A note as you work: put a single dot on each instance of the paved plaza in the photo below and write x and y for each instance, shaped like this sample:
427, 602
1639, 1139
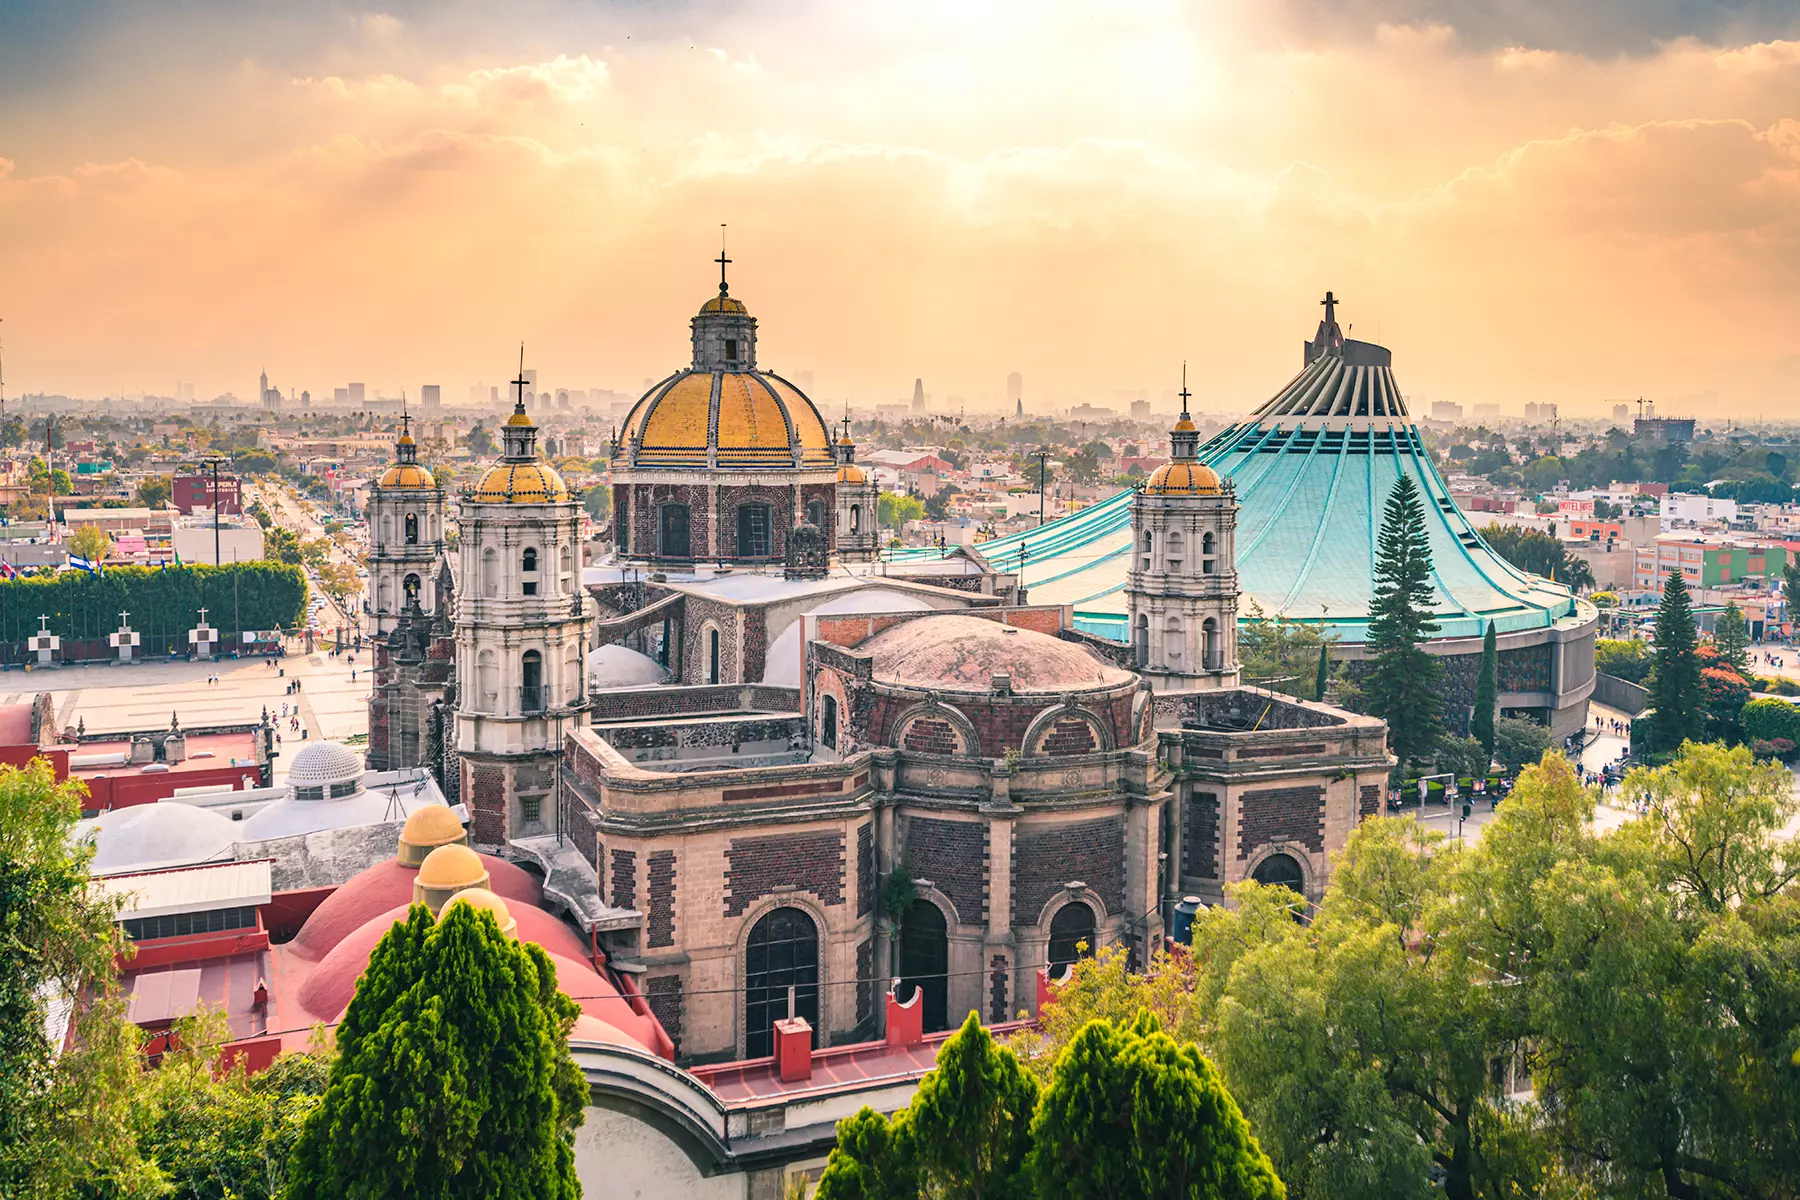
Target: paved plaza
130, 697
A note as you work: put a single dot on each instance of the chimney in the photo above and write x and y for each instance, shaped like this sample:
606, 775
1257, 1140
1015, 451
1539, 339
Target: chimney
793, 1049
175, 748
142, 750
905, 1021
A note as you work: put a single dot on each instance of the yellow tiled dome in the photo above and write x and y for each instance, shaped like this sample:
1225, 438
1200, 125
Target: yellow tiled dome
731, 419
518, 418
851, 473
1184, 479
724, 304
520, 483
433, 825
1185, 425
452, 866
407, 475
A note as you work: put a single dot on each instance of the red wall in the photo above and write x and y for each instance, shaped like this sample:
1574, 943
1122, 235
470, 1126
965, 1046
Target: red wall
19, 756
124, 791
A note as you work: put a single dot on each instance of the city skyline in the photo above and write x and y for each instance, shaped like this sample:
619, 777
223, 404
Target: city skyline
1575, 208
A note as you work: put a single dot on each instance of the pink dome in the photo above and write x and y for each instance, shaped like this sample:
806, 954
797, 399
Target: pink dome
383, 886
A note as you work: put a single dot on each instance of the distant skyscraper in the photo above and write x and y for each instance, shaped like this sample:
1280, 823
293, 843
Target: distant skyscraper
1446, 410
1019, 407
1621, 412
305, 399
340, 395
1015, 387
918, 401
430, 396
355, 392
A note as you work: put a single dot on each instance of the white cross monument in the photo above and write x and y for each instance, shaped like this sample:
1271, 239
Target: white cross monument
125, 640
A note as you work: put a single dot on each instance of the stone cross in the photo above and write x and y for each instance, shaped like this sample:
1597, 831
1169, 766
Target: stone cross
203, 618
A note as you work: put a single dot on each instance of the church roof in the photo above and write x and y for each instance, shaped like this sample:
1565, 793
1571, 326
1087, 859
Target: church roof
728, 419
520, 483
962, 653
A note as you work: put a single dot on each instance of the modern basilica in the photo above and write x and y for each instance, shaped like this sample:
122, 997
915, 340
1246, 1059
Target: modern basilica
769, 775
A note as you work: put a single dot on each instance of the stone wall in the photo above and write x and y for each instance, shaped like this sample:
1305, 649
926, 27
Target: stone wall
1200, 831
1293, 814
1046, 856
954, 856
758, 866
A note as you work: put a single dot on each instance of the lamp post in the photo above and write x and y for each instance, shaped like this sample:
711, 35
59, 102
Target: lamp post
213, 461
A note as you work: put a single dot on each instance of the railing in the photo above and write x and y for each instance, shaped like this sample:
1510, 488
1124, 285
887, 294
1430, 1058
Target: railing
534, 698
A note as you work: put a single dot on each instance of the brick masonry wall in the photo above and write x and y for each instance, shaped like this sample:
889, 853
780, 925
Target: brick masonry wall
997, 979
865, 868
781, 519
756, 642
1045, 857
1200, 827
1070, 735
826, 495
648, 497
865, 983
624, 873
757, 866
1368, 801
663, 994
1295, 814
954, 856
660, 925
931, 735
485, 791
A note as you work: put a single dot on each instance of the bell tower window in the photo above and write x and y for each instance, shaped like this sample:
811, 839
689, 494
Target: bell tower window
412, 529
731, 349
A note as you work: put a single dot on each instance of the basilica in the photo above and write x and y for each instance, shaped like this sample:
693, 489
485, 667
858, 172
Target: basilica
770, 773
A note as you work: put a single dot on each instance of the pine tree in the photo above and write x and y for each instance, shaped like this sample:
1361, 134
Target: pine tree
1324, 677
1487, 693
1675, 679
1731, 638
1405, 684
453, 1078
1130, 1113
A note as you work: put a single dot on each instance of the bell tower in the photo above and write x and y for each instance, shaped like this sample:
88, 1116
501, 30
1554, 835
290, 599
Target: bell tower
1181, 591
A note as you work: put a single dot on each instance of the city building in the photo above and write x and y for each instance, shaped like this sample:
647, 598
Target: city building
188, 492
1446, 410
1686, 508
1706, 561
216, 540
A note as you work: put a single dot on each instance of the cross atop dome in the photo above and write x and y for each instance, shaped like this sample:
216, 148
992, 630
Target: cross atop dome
1184, 439
1329, 339
722, 261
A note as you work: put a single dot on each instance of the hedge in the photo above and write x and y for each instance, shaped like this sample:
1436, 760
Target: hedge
79, 605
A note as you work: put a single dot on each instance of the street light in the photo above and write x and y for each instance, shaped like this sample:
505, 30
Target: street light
213, 461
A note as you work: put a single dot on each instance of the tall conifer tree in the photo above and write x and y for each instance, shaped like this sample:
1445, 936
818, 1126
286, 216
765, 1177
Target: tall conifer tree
1675, 679
1323, 680
1487, 693
1405, 684
1731, 637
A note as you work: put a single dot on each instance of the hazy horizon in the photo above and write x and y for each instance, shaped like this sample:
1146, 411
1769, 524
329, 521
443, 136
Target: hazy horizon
1542, 205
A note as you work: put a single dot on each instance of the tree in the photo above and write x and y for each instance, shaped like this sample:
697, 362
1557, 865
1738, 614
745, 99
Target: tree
254, 462
1626, 659
1768, 718
1790, 585
895, 509
1404, 684
12, 431
1463, 757
966, 1133
315, 552
1131, 1113
1675, 678
90, 542
154, 492
1519, 743
1280, 654
1323, 679
1731, 637
598, 502
479, 441
58, 1119
60, 483
1487, 692
338, 580
453, 1076
280, 545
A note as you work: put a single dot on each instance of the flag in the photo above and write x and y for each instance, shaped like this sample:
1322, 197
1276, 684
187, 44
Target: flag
8, 571
81, 564
176, 553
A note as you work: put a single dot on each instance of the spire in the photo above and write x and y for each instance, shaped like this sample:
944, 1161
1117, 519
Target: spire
722, 261
1329, 339
519, 436
1184, 439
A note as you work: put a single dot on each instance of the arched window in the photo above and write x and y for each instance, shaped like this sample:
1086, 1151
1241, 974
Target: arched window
566, 576
783, 953
1280, 870
672, 526
1071, 933
1172, 638
1149, 545
828, 722
925, 962
1206, 553
815, 513
753, 531
490, 573
1143, 640
1209, 632
856, 518
528, 582
531, 682
1172, 551
712, 656
412, 529
411, 584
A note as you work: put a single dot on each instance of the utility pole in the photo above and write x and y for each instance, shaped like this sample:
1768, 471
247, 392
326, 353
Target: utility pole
1043, 457
214, 462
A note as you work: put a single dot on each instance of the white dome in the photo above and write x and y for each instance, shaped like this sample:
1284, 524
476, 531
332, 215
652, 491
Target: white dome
165, 834
782, 665
323, 764
622, 667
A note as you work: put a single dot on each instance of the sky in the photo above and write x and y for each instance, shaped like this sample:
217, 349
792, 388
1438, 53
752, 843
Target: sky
1527, 201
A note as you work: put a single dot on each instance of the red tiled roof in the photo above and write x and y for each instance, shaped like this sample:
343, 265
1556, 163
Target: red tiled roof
832, 1069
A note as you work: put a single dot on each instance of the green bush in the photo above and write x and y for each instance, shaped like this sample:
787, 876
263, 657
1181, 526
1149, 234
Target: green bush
1623, 659
1767, 719
1518, 743
264, 595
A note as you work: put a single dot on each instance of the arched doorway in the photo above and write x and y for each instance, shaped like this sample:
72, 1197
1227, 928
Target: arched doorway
531, 682
1280, 870
1071, 933
673, 541
783, 953
925, 961
712, 656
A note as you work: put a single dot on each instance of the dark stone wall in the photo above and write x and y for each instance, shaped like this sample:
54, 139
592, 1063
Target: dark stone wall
998, 977
781, 519
1200, 829
932, 735
485, 791
1368, 801
624, 873
757, 866
1295, 814
865, 868
825, 494
1001, 724
1045, 857
954, 856
663, 994
1070, 735
646, 497
865, 985
660, 925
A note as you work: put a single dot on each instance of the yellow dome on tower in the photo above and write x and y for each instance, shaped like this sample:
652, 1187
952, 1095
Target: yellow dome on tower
1184, 479
724, 304
521, 483
426, 829
452, 866
728, 419
407, 475
518, 418
851, 473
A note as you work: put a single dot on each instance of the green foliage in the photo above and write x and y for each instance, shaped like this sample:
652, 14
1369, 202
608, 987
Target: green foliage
453, 1076
280, 545
1627, 659
60, 483
1463, 757
598, 503
1519, 743
1280, 654
896, 509
1404, 684
57, 1122
1539, 553
1767, 718
266, 595
479, 441
1132, 1113
1487, 693
1731, 638
254, 462
872, 1160
1675, 680
90, 542
1322, 679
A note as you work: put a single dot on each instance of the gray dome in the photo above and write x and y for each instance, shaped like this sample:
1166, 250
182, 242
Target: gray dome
328, 766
